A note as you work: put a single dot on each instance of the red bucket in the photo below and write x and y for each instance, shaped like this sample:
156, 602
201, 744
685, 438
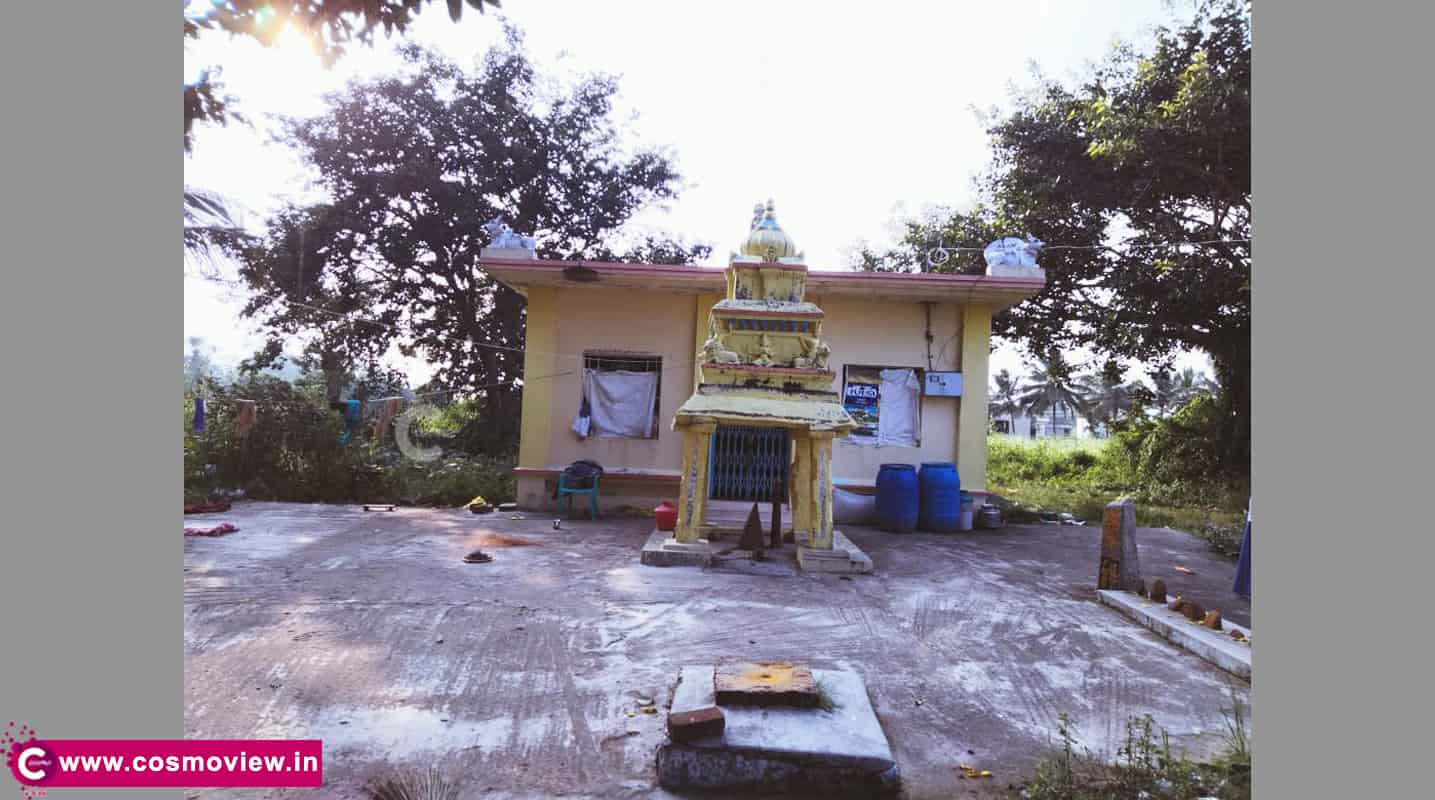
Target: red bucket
667, 515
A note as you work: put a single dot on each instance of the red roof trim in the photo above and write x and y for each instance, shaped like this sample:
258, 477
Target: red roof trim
814, 278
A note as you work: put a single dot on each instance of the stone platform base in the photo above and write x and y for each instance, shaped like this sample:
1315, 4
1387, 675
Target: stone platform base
662, 550
844, 557
839, 752
1216, 647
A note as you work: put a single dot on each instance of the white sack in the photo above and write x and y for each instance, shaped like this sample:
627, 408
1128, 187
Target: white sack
899, 408
851, 508
622, 402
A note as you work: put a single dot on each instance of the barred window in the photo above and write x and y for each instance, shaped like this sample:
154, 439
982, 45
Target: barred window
617, 386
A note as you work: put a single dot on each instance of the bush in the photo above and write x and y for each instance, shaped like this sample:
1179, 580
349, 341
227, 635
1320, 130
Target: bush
1169, 466
1145, 766
294, 454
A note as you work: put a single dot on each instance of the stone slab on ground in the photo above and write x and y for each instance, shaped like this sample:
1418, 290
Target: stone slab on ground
840, 751
844, 557
1217, 647
765, 684
662, 550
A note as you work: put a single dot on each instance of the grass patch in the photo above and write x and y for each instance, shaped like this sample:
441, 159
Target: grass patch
824, 698
1145, 766
1080, 476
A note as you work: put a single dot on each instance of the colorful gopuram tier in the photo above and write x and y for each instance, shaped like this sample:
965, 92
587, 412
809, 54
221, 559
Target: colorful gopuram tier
765, 364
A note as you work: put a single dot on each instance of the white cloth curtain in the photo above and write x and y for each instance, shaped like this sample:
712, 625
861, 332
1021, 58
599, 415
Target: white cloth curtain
899, 409
622, 402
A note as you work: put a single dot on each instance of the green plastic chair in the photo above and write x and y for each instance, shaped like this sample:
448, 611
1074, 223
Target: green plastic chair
566, 492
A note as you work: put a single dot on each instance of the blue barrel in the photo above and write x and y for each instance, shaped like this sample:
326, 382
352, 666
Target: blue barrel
897, 498
941, 492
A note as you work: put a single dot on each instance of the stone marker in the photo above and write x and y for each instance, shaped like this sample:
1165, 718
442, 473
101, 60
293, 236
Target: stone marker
1195, 611
1212, 620
775, 537
765, 684
1158, 591
1120, 566
752, 531
685, 726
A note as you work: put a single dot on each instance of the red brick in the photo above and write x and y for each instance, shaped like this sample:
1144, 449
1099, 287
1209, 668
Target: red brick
685, 726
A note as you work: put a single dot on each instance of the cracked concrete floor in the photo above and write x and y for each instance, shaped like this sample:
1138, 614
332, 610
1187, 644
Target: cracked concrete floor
524, 676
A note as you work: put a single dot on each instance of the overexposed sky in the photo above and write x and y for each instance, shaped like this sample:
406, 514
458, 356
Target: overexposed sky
850, 115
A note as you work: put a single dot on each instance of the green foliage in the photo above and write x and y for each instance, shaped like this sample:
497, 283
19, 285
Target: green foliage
294, 453
1050, 387
1167, 465
330, 26
414, 165
1145, 766
1153, 145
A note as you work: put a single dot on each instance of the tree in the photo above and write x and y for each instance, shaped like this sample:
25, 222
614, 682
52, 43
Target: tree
1172, 391
210, 225
1006, 396
1050, 388
330, 26
1108, 396
414, 165
199, 366
1153, 149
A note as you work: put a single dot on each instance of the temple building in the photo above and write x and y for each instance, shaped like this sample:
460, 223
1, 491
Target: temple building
716, 388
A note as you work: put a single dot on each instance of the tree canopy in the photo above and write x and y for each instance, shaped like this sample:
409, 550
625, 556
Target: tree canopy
1152, 149
329, 25
414, 164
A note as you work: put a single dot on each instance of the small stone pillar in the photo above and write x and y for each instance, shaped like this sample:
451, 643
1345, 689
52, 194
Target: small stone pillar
801, 484
1120, 565
692, 501
822, 491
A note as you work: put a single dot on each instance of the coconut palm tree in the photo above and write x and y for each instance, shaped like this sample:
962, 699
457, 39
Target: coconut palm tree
1190, 383
1107, 396
1170, 391
1006, 397
212, 223
1050, 388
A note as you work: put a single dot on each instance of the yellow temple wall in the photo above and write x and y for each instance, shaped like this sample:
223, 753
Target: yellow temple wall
860, 332
893, 334
570, 322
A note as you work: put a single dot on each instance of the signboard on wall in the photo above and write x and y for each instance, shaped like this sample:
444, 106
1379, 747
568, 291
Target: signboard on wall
860, 400
942, 384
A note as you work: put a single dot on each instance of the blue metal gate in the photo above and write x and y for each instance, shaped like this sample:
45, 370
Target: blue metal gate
745, 461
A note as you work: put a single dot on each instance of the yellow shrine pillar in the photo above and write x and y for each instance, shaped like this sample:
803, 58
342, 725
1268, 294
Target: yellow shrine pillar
801, 485
821, 490
693, 500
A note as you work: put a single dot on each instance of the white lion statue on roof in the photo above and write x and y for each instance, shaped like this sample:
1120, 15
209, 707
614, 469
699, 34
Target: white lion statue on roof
1013, 252
502, 237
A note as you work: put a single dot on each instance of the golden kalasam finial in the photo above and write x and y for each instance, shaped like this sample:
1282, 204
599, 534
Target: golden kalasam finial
767, 240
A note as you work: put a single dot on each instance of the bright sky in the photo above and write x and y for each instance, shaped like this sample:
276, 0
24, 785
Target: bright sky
850, 116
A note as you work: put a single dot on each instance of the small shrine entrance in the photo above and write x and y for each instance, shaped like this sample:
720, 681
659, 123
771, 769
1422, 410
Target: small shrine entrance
747, 462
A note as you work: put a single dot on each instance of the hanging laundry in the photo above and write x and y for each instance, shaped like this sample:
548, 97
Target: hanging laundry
352, 413
245, 420
199, 415
583, 423
387, 412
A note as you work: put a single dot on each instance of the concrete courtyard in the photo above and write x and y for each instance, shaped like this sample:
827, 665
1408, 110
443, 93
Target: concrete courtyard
525, 677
